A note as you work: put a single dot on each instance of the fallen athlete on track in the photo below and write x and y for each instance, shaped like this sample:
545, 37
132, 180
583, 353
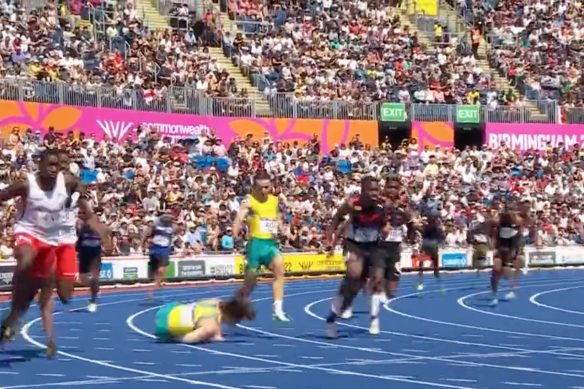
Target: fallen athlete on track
200, 322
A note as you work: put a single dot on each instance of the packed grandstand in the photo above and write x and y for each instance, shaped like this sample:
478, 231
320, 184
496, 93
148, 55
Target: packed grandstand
298, 59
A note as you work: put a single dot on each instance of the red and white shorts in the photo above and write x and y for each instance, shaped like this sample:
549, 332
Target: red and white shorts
46, 258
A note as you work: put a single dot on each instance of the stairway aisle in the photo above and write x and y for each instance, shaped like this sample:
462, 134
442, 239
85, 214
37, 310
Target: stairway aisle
450, 18
149, 13
262, 108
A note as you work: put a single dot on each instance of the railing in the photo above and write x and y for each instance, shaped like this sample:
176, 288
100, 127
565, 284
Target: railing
187, 100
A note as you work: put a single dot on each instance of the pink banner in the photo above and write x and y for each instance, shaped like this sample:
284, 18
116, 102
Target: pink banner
533, 136
120, 124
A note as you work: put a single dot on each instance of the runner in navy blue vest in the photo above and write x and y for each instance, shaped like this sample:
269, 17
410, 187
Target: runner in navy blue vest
161, 236
89, 258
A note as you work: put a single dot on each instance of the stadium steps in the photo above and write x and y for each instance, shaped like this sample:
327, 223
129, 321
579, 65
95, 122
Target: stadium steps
262, 108
150, 15
456, 23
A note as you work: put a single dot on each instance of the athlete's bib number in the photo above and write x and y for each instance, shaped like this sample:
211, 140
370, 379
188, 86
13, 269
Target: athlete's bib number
507, 233
268, 226
395, 235
366, 235
163, 241
481, 238
92, 242
187, 317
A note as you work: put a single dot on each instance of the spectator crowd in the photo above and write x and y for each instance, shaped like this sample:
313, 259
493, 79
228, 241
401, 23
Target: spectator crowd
307, 53
303, 54
537, 45
202, 182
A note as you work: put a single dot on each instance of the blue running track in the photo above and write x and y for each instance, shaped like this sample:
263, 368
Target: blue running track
451, 340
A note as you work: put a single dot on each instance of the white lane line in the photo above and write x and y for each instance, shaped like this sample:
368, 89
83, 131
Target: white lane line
315, 358
145, 363
448, 359
283, 345
140, 350
458, 325
181, 352
186, 365
521, 384
8, 373
267, 356
458, 380
109, 364
105, 348
259, 387
50, 375
533, 300
461, 302
415, 351
101, 338
153, 380
69, 337
130, 323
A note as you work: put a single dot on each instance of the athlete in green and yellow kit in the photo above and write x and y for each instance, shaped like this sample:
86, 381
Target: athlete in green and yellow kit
200, 322
262, 211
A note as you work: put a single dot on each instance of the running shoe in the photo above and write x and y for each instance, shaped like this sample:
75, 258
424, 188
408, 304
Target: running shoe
510, 296
281, 316
420, 289
92, 306
347, 314
494, 302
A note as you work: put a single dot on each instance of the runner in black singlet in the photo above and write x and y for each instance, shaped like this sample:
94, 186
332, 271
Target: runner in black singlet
508, 243
366, 220
399, 226
433, 237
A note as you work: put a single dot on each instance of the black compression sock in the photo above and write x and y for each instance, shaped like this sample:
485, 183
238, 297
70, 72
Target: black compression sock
94, 287
495, 283
331, 318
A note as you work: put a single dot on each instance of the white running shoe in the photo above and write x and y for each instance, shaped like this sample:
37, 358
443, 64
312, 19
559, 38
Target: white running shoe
494, 302
374, 326
92, 307
347, 313
510, 296
281, 317
331, 330
420, 287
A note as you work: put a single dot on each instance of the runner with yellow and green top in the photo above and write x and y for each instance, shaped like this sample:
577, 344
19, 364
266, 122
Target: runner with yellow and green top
261, 209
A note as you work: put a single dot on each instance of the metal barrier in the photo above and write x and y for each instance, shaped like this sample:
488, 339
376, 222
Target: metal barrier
186, 100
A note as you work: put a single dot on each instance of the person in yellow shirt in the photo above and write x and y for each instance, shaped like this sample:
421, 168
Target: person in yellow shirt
261, 209
200, 322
